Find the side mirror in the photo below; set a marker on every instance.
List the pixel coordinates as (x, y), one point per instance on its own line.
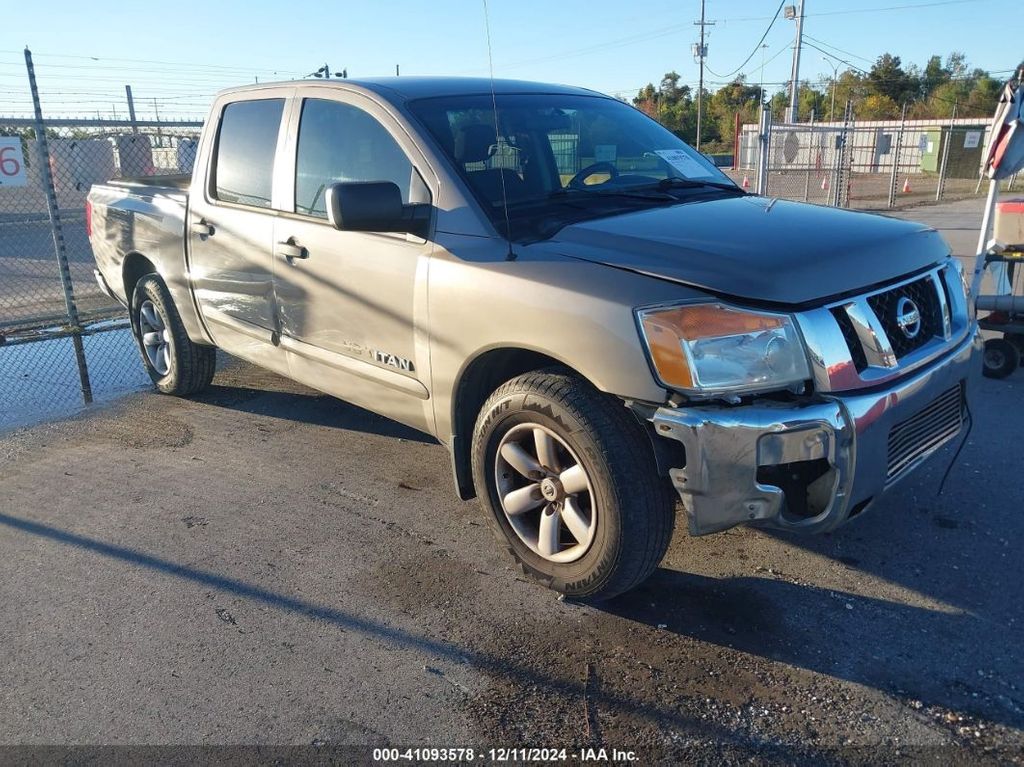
(366, 206)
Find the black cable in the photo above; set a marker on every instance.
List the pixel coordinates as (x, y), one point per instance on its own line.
(967, 435)
(836, 48)
(756, 47)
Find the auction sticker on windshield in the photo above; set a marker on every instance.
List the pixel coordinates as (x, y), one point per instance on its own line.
(682, 162)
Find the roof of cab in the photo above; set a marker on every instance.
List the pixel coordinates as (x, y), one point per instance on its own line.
(415, 87)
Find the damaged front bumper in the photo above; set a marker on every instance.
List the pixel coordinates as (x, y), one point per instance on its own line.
(811, 466)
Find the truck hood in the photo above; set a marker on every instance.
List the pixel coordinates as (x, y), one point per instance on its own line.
(756, 248)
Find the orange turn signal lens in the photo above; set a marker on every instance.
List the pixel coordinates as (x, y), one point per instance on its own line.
(663, 339)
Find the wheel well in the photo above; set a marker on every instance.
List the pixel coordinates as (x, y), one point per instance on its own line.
(484, 374)
(134, 268)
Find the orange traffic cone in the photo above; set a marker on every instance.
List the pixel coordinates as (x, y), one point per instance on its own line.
(746, 183)
(824, 182)
(906, 186)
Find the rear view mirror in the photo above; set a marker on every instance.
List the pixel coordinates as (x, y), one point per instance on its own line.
(366, 206)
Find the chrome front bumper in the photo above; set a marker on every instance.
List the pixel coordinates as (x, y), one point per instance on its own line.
(846, 436)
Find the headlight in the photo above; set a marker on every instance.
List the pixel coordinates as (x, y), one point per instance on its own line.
(710, 349)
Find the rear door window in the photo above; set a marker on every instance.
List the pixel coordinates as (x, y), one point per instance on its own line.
(243, 169)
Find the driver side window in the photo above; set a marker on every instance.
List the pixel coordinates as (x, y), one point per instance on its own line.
(340, 142)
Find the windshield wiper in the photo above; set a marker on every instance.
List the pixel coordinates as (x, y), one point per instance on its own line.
(690, 183)
(632, 194)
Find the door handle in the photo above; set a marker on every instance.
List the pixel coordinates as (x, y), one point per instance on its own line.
(202, 228)
(289, 249)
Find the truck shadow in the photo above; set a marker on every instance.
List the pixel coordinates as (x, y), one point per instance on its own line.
(295, 403)
(749, 744)
(914, 653)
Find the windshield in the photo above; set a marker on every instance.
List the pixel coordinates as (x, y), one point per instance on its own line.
(561, 158)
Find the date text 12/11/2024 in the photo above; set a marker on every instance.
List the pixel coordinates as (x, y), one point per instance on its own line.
(500, 755)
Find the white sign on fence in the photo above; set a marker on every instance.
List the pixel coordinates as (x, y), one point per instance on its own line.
(12, 162)
(971, 139)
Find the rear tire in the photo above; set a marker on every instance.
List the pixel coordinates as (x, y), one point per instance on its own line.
(1001, 358)
(176, 365)
(569, 479)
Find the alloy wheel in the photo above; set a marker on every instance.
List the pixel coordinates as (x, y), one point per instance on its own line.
(156, 338)
(545, 493)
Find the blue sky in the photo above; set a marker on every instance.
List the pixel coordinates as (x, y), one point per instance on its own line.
(179, 54)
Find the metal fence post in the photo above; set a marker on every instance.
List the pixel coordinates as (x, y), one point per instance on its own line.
(131, 108)
(838, 140)
(842, 152)
(850, 130)
(894, 177)
(810, 151)
(945, 156)
(763, 145)
(46, 174)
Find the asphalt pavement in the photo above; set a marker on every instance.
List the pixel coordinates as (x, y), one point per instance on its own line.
(264, 564)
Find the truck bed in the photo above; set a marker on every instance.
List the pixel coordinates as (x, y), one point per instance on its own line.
(141, 216)
(178, 182)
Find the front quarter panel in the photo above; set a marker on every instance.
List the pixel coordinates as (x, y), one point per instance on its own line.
(576, 312)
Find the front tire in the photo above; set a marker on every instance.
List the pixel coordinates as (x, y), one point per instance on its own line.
(570, 482)
(175, 364)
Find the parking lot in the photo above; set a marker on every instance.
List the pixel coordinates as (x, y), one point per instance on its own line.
(263, 564)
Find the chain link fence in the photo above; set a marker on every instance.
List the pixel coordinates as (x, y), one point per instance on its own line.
(877, 165)
(63, 342)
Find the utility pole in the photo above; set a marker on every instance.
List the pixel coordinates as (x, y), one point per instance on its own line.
(700, 52)
(794, 85)
(156, 112)
(835, 75)
(760, 81)
(131, 107)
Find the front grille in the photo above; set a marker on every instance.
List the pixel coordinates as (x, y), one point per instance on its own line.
(860, 360)
(925, 431)
(922, 293)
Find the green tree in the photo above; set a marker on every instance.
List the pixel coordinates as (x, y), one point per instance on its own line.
(934, 75)
(929, 92)
(956, 64)
(888, 78)
(671, 104)
(877, 106)
(812, 99)
(722, 106)
(983, 97)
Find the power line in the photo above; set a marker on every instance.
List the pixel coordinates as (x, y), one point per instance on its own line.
(618, 42)
(837, 48)
(882, 9)
(837, 58)
(756, 47)
(893, 8)
(151, 61)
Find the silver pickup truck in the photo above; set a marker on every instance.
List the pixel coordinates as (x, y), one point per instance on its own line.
(594, 320)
